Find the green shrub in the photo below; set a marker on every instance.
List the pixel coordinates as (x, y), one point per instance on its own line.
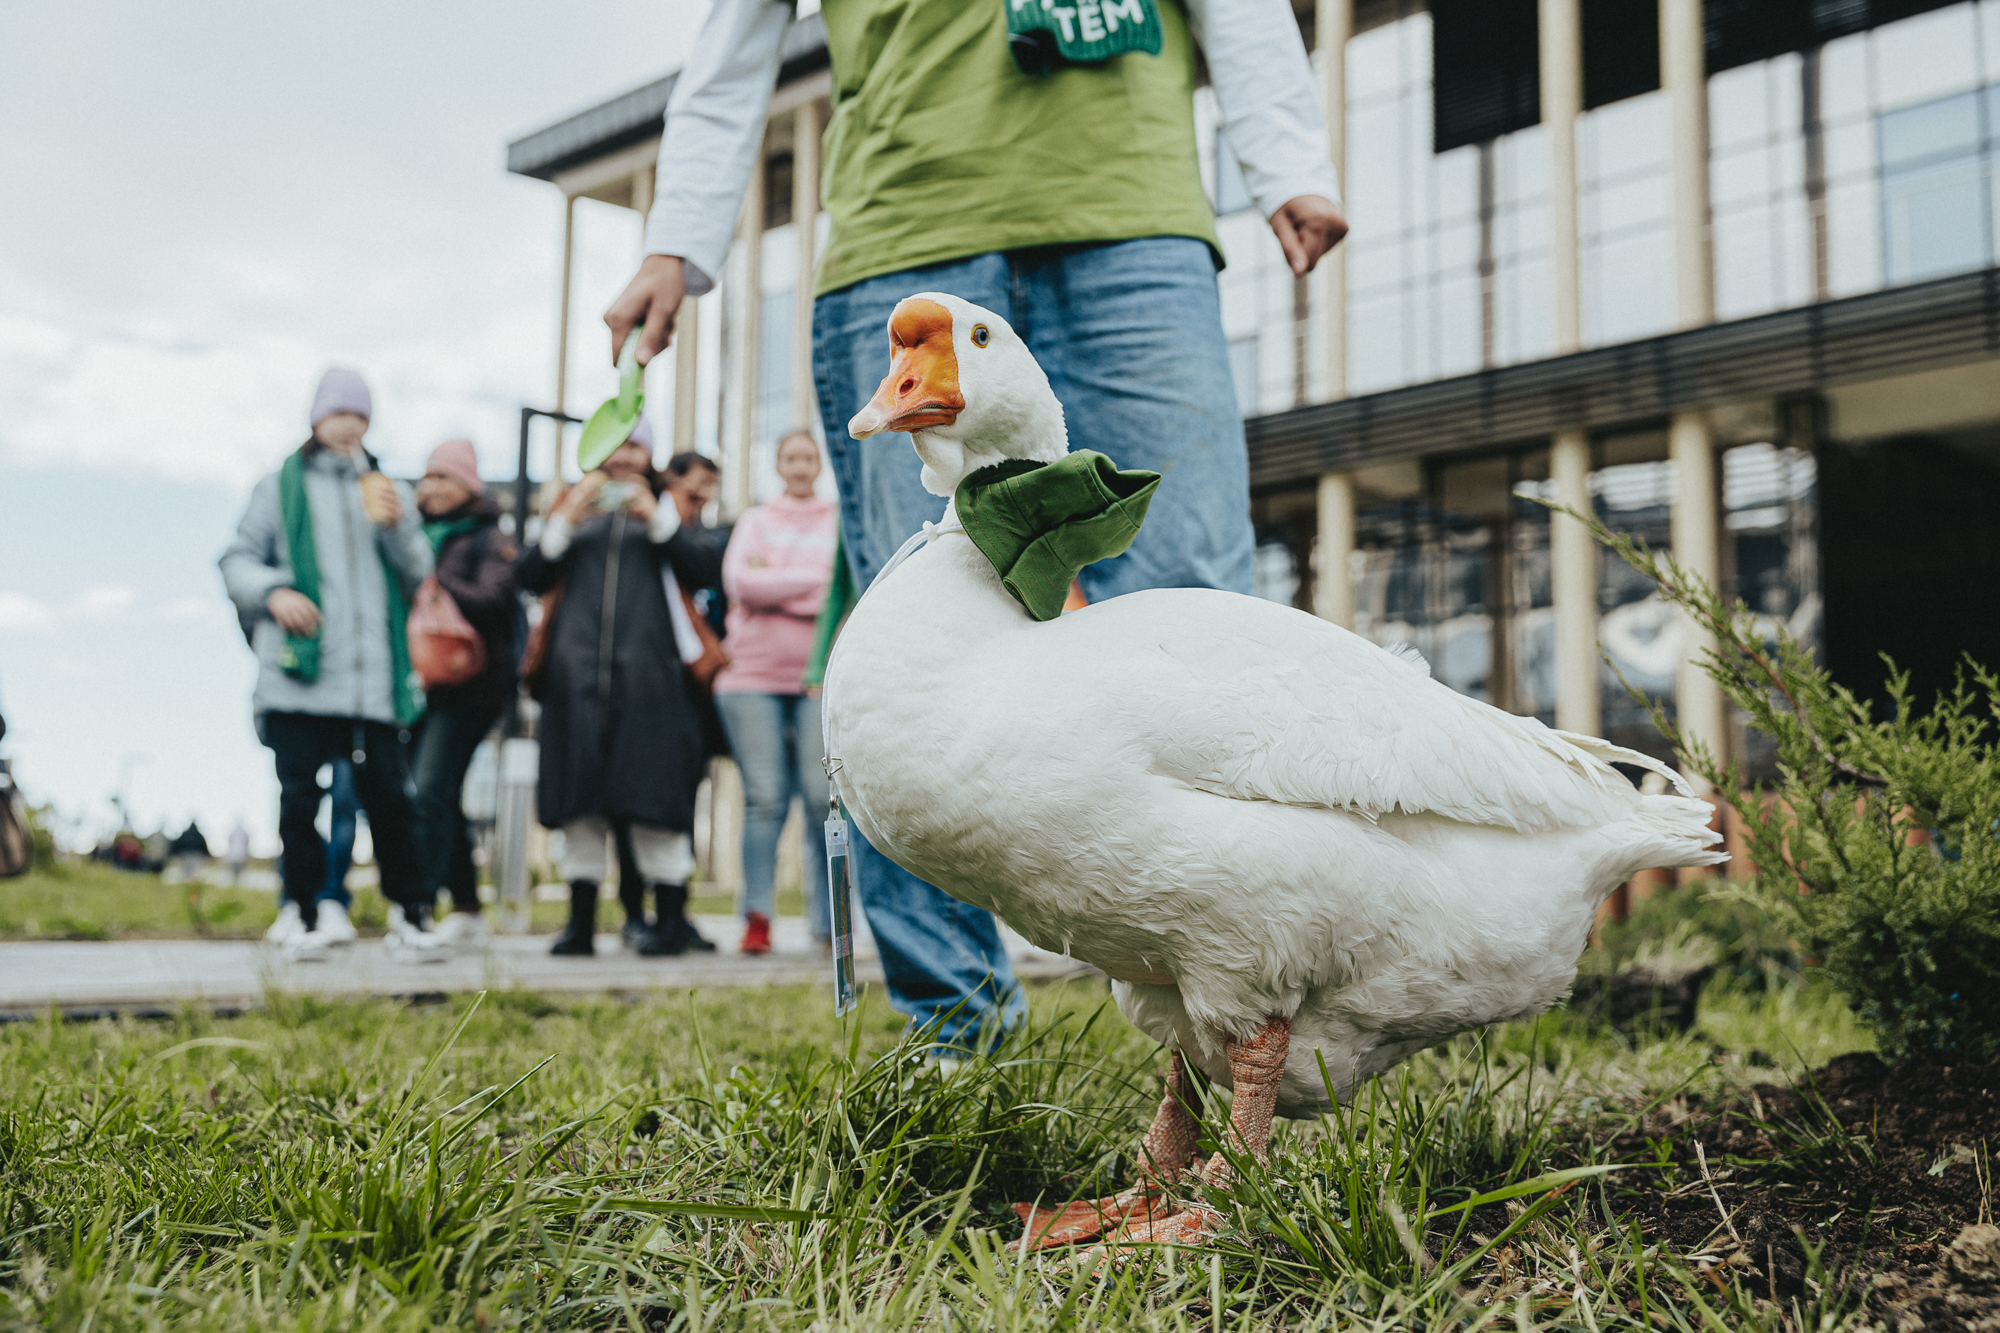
(1878, 845)
(1708, 919)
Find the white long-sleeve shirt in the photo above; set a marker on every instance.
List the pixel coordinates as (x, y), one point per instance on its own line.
(715, 118)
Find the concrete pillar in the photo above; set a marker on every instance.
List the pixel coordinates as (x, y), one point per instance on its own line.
(1333, 584)
(1573, 571)
(1562, 102)
(805, 213)
(1695, 536)
(1683, 77)
(1691, 445)
(687, 360)
(1334, 21)
(562, 310)
(742, 391)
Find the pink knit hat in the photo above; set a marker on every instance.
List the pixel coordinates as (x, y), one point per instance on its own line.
(458, 460)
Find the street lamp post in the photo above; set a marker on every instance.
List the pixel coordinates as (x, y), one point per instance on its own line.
(519, 756)
(528, 414)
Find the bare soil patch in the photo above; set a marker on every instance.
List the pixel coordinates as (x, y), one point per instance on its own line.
(1879, 1169)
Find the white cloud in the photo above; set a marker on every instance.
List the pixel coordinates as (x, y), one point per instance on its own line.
(20, 611)
(105, 600)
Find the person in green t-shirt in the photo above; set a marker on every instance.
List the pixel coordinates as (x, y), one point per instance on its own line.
(1037, 157)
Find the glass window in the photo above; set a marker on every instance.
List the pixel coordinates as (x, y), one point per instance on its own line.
(1462, 575)
(1936, 198)
(1639, 632)
(1274, 575)
(1923, 134)
(1926, 57)
(1420, 297)
(1769, 503)
(1625, 220)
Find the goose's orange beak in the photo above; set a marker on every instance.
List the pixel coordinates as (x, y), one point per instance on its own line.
(922, 387)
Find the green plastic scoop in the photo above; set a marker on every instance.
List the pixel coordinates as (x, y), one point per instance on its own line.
(613, 423)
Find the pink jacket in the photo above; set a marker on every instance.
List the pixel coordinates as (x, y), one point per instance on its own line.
(776, 571)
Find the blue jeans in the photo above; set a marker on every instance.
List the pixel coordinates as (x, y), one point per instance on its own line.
(776, 741)
(1130, 335)
(341, 816)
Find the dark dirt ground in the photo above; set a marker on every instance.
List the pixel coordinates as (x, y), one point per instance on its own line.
(1880, 1169)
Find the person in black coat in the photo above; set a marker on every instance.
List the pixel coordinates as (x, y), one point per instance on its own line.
(622, 741)
(475, 564)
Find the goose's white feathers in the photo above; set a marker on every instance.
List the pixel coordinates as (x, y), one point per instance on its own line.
(1256, 703)
(1234, 809)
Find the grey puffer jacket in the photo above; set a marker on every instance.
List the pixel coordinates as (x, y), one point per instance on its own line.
(354, 673)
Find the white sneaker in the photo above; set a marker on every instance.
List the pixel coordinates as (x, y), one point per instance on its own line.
(334, 923)
(463, 930)
(411, 943)
(289, 926)
(311, 947)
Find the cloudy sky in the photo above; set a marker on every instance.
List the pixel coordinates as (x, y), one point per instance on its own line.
(205, 205)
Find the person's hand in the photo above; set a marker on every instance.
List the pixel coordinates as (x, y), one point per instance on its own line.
(581, 498)
(1307, 227)
(380, 500)
(813, 691)
(641, 503)
(653, 298)
(294, 612)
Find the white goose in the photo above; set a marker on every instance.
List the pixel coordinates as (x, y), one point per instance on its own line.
(1282, 842)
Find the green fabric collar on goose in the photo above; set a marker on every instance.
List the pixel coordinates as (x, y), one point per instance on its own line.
(1039, 523)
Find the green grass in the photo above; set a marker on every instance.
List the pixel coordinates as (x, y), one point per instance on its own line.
(88, 901)
(740, 1160)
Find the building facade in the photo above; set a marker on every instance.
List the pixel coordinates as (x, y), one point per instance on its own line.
(1726, 274)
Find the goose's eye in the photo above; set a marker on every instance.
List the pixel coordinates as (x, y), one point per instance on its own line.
(981, 335)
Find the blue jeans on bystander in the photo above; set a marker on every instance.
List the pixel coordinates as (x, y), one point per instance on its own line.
(1130, 334)
(776, 741)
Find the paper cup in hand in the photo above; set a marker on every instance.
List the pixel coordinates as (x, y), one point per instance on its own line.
(378, 498)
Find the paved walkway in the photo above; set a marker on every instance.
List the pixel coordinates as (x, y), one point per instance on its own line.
(86, 977)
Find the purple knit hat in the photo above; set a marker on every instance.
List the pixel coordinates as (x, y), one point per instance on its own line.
(642, 435)
(341, 390)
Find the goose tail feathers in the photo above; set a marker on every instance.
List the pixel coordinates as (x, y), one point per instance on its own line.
(1667, 831)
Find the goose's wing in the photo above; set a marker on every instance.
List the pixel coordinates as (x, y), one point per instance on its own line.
(1256, 701)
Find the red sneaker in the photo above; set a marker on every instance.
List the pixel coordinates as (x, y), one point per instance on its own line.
(756, 933)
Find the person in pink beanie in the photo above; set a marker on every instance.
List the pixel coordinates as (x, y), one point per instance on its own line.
(475, 565)
(776, 572)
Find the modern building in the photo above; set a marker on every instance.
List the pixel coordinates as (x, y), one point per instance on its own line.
(1724, 272)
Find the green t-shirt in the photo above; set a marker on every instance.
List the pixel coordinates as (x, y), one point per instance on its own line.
(941, 148)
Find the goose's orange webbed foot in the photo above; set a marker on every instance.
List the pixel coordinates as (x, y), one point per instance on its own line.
(1166, 1150)
(1255, 1068)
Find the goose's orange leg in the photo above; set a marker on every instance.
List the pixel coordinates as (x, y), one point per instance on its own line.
(1167, 1148)
(1255, 1068)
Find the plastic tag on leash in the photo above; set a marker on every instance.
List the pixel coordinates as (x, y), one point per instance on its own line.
(840, 887)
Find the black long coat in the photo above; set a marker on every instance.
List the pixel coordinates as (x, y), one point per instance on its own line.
(622, 733)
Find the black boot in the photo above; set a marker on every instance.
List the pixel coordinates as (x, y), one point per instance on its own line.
(579, 938)
(670, 906)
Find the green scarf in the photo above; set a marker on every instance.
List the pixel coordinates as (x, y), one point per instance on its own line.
(1039, 523)
(442, 530)
(300, 658)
